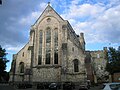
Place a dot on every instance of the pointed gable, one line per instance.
(48, 12)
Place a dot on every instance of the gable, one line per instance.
(48, 12)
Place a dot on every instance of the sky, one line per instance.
(99, 20)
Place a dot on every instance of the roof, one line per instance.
(47, 10)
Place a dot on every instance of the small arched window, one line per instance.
(21, 65)
(76, 67)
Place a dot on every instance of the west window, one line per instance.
(48, 46)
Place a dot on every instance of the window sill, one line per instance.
(21, 74)
(48, 66)
(75, 73)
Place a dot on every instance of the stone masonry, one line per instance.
(54, 57)
(55, 53)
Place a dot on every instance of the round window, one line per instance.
(48, 19)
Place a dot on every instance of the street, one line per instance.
(95, 88)
(8, 87)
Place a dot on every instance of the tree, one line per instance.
(113, 64)
(3, 61)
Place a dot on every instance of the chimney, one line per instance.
(82, 34)
(82, 41)
(105, 48)
(105, 52)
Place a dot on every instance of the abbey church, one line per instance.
(54, 52)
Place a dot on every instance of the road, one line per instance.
(95, 88)
(8, 87)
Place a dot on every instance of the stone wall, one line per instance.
(116, 77)
(67, 37)
(77, 78)
(99, 63)
(46, 74)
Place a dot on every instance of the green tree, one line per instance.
(3, 61)
(113, 64)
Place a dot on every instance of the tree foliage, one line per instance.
(3, 61)
(113, 64)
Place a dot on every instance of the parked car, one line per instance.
(53, 86)
(68, 86)
(83, 87)
(88, 84)
(46, 85)
(40, 86)
(24, 85)
(110, 86)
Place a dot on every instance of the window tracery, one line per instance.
(48, 46)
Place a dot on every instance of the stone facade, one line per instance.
(98, 63)
(54, 53)
(116, 77)
(89, 67)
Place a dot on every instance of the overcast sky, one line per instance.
(99, 20)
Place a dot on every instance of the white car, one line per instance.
(110, 86)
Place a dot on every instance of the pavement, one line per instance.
(8, 87)
(95, 88)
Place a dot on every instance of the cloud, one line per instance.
(108, 25)
(16, 17)
(11, 48)
(34, 15)
(99, 21)
(30, 18)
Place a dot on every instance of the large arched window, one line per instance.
(56, 46)
(48, 45)
(21, 65)
(40, 47)
(76, 67)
